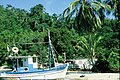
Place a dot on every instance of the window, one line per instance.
(20, 63)
(25, 60)
(34, 59)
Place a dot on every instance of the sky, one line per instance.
(51, 6)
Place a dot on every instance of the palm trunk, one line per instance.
(92, 51)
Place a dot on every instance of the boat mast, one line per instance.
(50, 50)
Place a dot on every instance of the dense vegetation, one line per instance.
(81, 36)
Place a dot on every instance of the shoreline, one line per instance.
(93, 76)
(86, 76)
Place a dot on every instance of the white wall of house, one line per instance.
(83, 63)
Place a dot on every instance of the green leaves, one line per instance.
(89, 45)
(87, 14)
(113, 60)
(26, 29)
(114, 4)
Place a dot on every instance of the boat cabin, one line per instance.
(25, 63)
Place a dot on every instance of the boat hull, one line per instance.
(53, 73)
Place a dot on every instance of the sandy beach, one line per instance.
(93, 76)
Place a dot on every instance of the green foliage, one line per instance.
(108, 61)
(60, 59)
(115, 4)
(87, 16)
(29, 32)
(64, 40)
(89, 44)
(113, 60)
(109, 51)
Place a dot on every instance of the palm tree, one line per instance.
(87, 19)
(89, 45)
(115, 5)
(87, 16)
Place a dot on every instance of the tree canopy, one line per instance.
(77, 36)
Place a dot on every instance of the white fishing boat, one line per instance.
(58, 72)
(29, 69)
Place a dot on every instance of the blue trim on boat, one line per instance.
(61, 67)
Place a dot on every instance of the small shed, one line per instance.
(81, 63)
